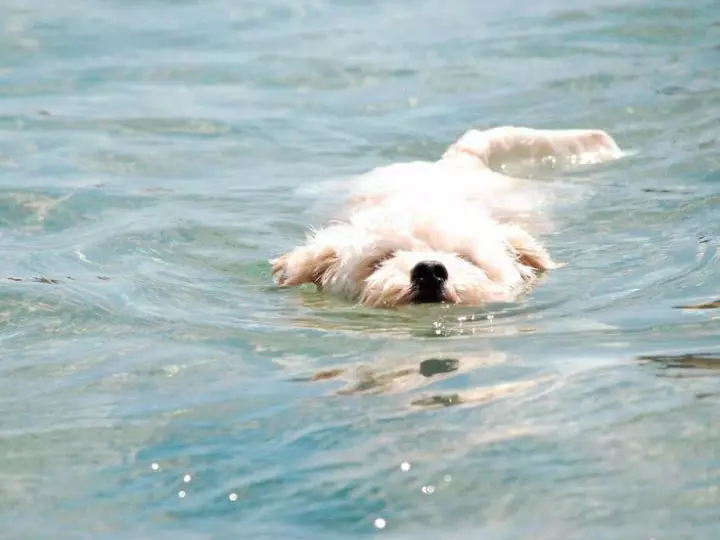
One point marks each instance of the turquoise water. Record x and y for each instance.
(155, 384)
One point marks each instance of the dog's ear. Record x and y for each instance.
(306, 264)
(529, 251)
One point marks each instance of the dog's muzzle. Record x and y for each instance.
(428, 281)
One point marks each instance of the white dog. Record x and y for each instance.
(450, 231)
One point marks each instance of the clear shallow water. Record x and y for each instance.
(153, 155)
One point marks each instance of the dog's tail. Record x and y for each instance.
(498, 146)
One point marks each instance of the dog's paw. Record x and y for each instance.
(529, 251)
(306, 264)
(278, 269)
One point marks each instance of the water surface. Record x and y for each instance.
(155, 384)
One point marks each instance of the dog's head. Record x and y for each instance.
(417, 251)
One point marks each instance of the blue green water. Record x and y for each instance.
(155, 384)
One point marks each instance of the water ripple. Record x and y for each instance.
(155, 383)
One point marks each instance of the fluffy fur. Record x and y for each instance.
(457, 213)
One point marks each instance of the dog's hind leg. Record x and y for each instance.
(500, 145)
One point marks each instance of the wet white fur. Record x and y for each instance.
(457, 211)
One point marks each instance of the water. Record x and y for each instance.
(154, 155)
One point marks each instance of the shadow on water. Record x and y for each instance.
(707, 305)
(448, 380)
(683, 366)
(686, 361)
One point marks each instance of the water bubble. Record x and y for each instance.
(447, 478)
(187, 478)
(428, 490)
(155, 467)
(233, 497)
(405, 466)
(380, 523)
(181, 494)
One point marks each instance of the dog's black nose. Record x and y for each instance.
(428, 278)
(429, 273)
